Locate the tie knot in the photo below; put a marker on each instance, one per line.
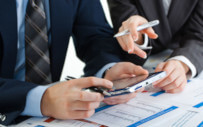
(37, 5)
(35, 2)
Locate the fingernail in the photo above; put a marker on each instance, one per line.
(129, 51)
(133, 75)
(145, 57)
(135, 38)
(110, 84)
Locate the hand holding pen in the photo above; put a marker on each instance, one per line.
(129, 33)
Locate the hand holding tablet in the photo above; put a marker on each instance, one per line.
(130, 85)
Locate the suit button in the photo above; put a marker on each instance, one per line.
(2, 117)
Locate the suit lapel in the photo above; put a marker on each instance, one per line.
(176, 16)
(8, 27)
(153, 9)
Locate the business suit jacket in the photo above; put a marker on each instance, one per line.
(181, 30)
(82, 19)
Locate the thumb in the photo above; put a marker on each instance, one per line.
(138, 70)
(160, 67)
(132, 69)
(92, 81)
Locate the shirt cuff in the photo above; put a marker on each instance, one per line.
(33, 101)
(103, 69)
(146, 41)
(188, 63)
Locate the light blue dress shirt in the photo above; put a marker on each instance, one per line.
(33, 99)
(34, 96)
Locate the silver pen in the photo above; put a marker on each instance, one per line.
(139, 28)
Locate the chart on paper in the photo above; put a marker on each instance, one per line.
(133, 112)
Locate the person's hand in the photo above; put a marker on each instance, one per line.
(127, 41)
(124, 70)
(176, 79)
(66, 100)
(119, 71)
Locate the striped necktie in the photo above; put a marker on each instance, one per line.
(36, 44)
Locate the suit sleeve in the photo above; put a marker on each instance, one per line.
(93, 37)
(191, 42)
(12, 99)
(121, 10)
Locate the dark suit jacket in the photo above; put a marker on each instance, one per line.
(181, 30)
(82, 19)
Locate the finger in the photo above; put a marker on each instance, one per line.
(115, 102)
(138, 20)
(150, 32)
(126, 76)
(139, 90)
(169, 67)
(128, 39)
(82, 114)
(169, 79)
(109, 102)
(160, 67)
(122, 41)
(134, 36)
(130, 68)
(133, 30)
(179, 89)
(120, 99)
(129, 43)
(92, 81)
(122, 44)
(138, 70)
(88, 96)
(134, 22)
(80, 105)
(116, 98)
(139, 52)
(175, 84)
